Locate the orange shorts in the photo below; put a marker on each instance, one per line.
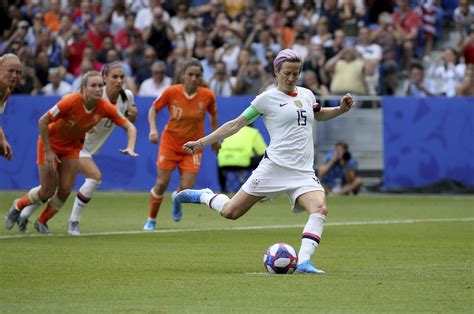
(168, 159)
(40, 152)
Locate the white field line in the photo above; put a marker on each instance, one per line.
(330, 224)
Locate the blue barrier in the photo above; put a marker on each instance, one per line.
(428, 139)
(120, 172)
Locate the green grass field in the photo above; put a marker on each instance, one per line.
(381, 253)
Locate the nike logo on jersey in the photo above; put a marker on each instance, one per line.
(281, 105)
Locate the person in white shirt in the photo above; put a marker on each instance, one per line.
(155, 85)
(56, 86)
(114, 77)
(289, 113)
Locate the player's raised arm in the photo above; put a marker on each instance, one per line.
(345, 104)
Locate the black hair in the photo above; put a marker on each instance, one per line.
(105, 71)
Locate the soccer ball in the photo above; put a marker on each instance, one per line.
(280, 258)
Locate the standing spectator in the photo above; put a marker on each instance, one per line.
(17, 37)
(65, 31)
(52, 17)
(62, 132)
(155, 85)
(417, 85)
(42, 68)
(117, 16)
(448, 72)
(47, 43)
(56, 86)
(338, 174)
(133, 55)
(229, 52)
(145, 15)
(34, 31)
(123, 36)
(288, 167)
(179, 20)
(10, 73)
(75, 50)
(107, 43)
(84, 16)
(188, 103)
(160, 34)
(372, 55)
(350, 18)
(265, 41)
(463, 15)
(90, 54)
(221, 83)
(331, 11)
(407, 23)
(348, 72)
(430, 14)
(97, 31)
(467, 47)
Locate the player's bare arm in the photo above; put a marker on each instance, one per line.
(131, 138)
(345, 104)
(227, 129)
(153, 135)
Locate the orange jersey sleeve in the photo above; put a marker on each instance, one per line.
(70, 120)
(187, 115)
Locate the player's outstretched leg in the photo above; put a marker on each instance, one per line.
(177, 211)
(192, 196)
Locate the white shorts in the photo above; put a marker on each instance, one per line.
(270, 180)
(84, 153)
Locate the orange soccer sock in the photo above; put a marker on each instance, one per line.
(23, 202)
(155, 203)
(47, 214)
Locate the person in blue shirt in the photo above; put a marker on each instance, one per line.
(338, 173)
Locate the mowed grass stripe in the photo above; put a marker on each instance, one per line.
(244, 228)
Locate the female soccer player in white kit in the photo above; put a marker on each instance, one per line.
(113, 74)
(289, 112)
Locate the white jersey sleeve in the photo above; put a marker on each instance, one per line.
(95, 140)
(289, 121)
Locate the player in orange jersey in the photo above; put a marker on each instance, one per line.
(62, 132)
(187, 104)
(10, 74)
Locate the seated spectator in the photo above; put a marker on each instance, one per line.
(310, 81)
(56, 86)
(229, 52)
(221, 83)
(75, 49)
(417, 84)
(144, 72)
(155, 85)
(338, 174)
(467, 47)
(466, 88)
(448, 72)
(86, 66)
(261, 40)
(160, 34)
(208, 63)
(241, 151)
(251, 78)
(348, 72)
(97, 31)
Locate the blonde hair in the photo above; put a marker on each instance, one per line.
(87, 76)
(8, 56)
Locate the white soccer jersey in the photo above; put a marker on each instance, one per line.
(289, 121)
(95, 140)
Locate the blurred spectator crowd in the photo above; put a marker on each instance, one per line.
(371, 47)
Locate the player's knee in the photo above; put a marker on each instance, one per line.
(63, 192)
(46, 193)
(229, 213)
(322, 209)
(97, 176)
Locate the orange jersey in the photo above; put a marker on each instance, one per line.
(71, 120)
(187, 116)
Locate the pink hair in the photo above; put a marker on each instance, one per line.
(289, 55)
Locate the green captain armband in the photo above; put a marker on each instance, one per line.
(251, 114)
